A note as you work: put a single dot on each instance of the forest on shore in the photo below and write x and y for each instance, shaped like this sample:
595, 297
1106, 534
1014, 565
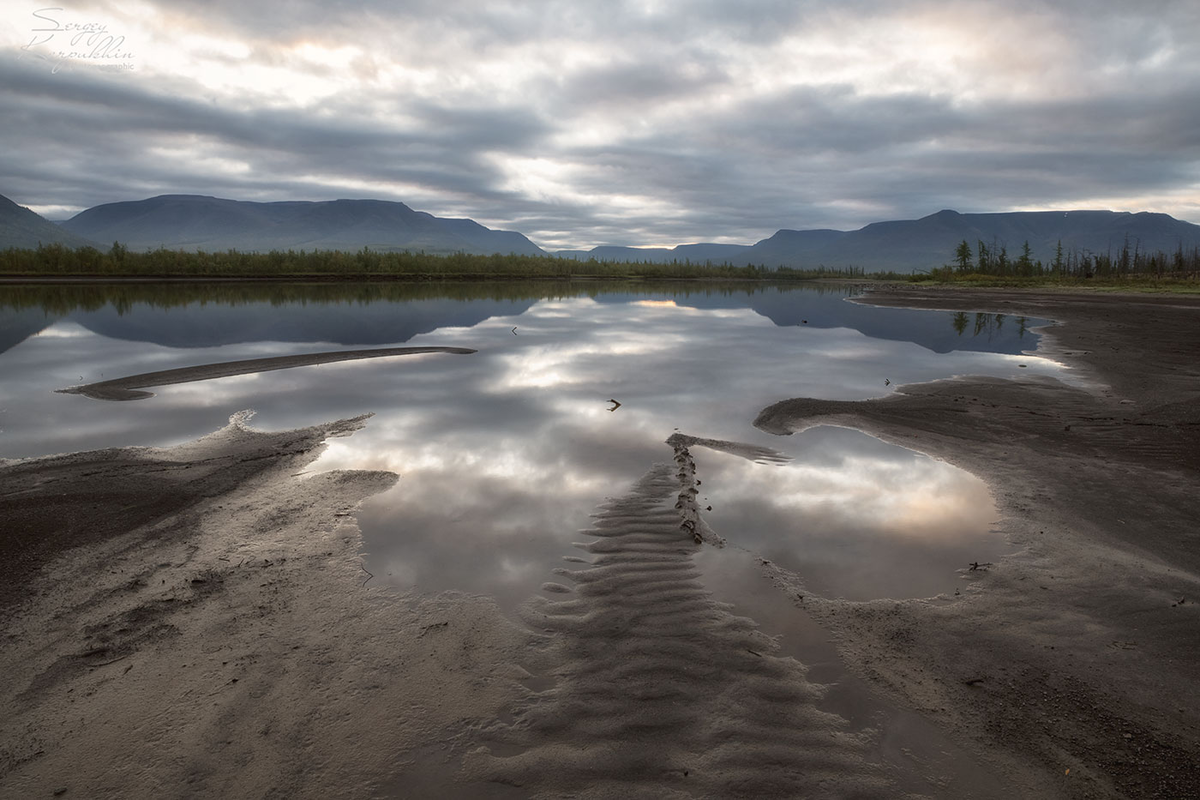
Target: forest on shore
119, 261
983, 264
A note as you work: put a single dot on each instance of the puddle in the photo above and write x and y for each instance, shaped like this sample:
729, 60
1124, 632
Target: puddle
853, 516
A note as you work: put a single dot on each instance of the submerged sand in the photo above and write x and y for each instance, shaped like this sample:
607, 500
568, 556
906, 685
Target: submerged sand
195, 621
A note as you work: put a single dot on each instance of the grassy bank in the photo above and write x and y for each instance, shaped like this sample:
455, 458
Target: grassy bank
1183, 284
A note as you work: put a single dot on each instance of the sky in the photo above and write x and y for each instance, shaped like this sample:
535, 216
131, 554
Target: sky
588, 123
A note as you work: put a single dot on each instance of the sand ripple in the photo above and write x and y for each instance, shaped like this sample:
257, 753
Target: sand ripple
659, 690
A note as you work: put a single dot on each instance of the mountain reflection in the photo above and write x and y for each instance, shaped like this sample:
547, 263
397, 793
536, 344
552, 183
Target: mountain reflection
210, 315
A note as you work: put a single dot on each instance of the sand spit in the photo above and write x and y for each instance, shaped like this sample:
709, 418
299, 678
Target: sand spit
1071, 664
751, 452
658, 690
215, 639
127, 388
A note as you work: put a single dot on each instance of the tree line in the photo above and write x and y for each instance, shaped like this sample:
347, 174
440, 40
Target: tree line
1130, 261
119, 261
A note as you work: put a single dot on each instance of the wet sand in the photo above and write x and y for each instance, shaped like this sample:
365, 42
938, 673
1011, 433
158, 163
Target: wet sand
1071, 665
195, 621
214, 637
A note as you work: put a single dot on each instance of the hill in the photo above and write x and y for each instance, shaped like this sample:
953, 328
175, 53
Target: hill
20, 227
193, 222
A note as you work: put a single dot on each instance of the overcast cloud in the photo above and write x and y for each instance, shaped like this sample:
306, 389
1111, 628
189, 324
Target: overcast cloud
653, 123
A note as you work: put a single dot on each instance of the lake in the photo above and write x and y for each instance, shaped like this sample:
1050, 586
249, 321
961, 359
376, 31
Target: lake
505, 452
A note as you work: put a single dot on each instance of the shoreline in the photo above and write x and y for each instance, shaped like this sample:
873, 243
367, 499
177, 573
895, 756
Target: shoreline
1070, 663
216, 639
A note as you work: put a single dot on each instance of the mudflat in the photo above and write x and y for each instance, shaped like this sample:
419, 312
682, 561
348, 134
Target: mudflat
1070, 663
194, 621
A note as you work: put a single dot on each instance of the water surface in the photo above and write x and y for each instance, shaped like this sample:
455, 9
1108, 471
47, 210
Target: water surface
503, 454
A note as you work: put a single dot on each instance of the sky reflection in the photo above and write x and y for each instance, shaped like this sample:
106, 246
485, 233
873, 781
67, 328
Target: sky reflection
503, 454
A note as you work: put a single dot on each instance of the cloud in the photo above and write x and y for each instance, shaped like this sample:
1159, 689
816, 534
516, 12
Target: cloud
635, 122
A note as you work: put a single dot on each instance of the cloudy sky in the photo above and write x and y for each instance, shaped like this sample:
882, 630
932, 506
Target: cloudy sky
609, 122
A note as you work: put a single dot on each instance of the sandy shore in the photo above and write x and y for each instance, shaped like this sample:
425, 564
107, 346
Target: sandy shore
193, 622
1071, 664
196, 626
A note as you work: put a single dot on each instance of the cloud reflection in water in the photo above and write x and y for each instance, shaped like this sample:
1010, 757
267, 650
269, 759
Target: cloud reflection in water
504, 454
857, 517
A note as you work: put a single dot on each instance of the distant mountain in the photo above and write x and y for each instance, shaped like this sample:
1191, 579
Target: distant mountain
914, 245
20, 227
193, 222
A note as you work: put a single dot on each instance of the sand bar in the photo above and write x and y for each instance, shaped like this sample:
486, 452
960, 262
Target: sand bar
127, 388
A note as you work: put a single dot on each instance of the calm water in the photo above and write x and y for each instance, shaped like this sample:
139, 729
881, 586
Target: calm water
504, 454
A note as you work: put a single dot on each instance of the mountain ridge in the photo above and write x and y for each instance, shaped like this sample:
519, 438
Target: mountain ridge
930, 241
201, 222
24, 228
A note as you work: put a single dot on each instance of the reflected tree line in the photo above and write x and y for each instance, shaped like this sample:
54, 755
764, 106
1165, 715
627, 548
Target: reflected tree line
986, 324
63, 298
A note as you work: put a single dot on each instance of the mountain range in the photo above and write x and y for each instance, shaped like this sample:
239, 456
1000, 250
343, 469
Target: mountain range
917, 245
193, 222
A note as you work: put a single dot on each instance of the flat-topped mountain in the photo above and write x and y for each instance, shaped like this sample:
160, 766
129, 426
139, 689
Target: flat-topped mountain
193, 222
921, 244
20, 227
